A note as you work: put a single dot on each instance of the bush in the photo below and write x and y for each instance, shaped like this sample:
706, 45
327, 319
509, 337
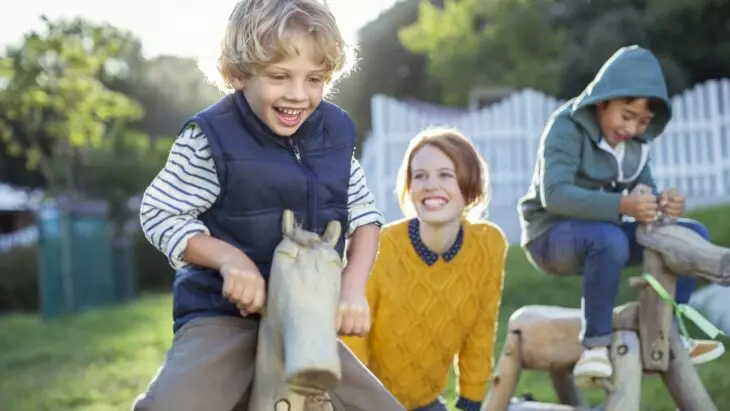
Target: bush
154, 273
19, 279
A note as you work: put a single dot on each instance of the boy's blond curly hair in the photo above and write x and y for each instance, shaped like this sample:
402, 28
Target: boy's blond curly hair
259, 33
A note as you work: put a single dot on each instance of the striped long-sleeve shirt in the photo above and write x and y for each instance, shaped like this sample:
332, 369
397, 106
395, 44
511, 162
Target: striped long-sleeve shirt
188, 185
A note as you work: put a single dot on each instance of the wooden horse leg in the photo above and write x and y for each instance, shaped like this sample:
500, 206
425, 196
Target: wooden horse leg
655, 316
682, 380
507, 374
566, 390
627, 372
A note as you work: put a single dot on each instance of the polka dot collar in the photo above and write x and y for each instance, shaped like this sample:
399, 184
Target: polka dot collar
427, 255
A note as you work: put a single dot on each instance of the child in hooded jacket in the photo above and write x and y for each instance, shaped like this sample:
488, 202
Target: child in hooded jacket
593, 153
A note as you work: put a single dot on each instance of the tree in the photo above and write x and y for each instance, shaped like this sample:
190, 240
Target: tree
171, 89
693, 33
54, 106
557, 46
629, 21
384, 66
120, 168
487, 43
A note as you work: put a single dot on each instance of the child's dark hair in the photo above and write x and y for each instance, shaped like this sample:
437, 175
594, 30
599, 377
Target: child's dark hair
653, 104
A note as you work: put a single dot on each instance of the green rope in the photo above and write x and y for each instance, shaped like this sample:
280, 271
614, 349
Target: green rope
683, 310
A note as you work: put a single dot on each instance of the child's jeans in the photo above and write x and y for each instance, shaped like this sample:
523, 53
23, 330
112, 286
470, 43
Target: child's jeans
600, 251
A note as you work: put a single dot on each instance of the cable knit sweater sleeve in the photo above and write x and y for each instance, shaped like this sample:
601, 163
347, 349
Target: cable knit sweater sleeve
476, 354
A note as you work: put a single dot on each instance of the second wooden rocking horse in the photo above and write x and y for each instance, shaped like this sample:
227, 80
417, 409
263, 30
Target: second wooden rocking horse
546, 338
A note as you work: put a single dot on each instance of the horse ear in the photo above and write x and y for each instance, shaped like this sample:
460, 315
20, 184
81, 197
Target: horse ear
332, 233
287, 222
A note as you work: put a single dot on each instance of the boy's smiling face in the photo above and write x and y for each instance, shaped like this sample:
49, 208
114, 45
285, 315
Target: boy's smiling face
623, 119
285, 93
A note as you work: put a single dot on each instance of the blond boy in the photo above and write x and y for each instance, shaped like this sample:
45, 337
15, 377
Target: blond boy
215, 209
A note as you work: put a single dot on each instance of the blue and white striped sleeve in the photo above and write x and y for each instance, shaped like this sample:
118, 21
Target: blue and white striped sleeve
186, 187
360, 201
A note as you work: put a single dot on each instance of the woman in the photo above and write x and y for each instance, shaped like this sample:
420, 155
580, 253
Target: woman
436, 286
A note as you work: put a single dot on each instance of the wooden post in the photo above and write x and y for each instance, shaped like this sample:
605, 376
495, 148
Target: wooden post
627, 372
682, 380
507, 374
566, 390
655, 315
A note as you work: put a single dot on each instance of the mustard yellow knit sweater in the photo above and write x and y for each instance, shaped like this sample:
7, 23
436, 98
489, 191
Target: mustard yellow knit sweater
427, 315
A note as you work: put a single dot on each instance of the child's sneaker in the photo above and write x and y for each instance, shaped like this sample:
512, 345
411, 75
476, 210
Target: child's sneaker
702, 351
594, 363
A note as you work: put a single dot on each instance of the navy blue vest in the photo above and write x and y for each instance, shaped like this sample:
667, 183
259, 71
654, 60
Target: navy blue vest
260, 175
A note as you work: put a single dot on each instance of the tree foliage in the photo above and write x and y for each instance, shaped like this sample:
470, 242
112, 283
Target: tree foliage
83, 113
557, 46
487, 43
54, 106
120, 167
384, 66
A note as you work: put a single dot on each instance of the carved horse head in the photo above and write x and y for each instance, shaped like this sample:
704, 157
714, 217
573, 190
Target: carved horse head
303, 293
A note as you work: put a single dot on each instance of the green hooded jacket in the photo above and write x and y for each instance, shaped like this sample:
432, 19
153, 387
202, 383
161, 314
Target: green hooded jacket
574, 176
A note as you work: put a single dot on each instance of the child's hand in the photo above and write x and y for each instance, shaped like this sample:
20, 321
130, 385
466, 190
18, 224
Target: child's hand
643, 207
353, 315
640, 204
243, 287
672, 202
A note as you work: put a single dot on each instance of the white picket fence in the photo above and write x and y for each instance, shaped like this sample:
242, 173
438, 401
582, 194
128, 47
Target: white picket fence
692, 154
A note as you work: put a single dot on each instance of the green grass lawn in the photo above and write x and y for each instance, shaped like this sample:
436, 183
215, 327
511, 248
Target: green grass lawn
100, 360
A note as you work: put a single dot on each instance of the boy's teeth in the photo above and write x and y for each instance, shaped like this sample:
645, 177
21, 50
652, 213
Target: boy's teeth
289, 111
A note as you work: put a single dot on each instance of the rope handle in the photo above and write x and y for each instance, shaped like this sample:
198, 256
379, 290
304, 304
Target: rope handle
683, 310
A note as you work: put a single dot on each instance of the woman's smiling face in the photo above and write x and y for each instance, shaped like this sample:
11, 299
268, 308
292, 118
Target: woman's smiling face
435, 191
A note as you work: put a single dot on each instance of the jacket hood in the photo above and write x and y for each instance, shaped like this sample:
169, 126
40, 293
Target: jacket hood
632, 71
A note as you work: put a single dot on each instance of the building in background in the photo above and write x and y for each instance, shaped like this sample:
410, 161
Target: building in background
17, 216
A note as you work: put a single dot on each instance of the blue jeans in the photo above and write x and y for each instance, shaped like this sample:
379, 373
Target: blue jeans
600, 251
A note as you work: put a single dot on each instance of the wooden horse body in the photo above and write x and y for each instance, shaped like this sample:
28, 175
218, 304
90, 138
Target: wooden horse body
297, 358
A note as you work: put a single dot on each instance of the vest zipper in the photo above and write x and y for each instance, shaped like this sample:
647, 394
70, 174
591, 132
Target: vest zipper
297, 152
311, 187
